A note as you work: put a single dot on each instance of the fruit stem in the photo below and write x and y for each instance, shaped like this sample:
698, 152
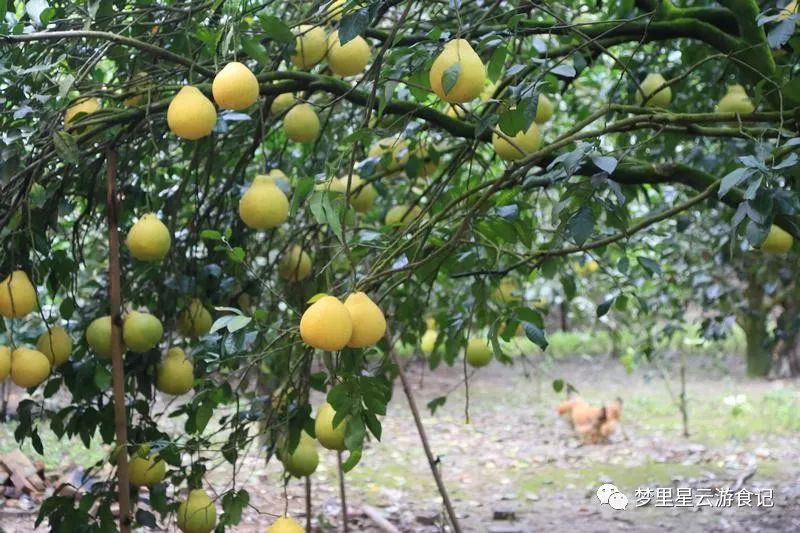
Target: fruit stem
117, 370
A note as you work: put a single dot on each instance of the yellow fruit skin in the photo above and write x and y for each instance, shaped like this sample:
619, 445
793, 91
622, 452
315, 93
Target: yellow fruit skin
29, 368
285, 524
311, 45
527, 141
263, 205
471, 75
650, 83
195, 321
85, 105
190, 114
778, 241
98, 336
175, 374
295, 265
369, 324
281, 103
235, 87
330, 437
735, 101
303, 461
17, 295
362, 194
544, 110
402, 215
326, 324
397, 147
478, 353
506, 292
197, 514
146, 471
149, 239
56, 344
428, 341
350, 59
301, 124
141, 331
5, 362
335, 9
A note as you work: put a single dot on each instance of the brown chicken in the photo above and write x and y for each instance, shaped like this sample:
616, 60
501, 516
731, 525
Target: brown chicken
593, 424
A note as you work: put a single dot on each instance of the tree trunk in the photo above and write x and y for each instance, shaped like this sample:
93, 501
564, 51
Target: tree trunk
754, 323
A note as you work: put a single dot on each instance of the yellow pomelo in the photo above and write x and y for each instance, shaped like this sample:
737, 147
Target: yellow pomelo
327, 435
84, 105
362, 194
311, 45
149, 239
428, 341
303, 461
235, 87
402, 215
301, 124
141, 331
56, 344
5, 362
29, 368
350, 59
735, 101
470, 72
544, 109
478, 352
139, 87
295, 264
281, 103
190, 114
146, 469
195, 321
369, 324
428, 165
335, 9
778, 241
506, 292
430, 323
98, 336
263, 205
326, 324
175, 374
398, 148
649, 85
527, 141
17, 295
286, 524
197, 514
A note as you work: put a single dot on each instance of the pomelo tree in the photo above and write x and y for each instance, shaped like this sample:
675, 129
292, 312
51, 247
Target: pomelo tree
168, 161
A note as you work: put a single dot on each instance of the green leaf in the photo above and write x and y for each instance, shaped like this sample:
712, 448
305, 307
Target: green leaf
102, 377
236, 254
732, 179
649, 265
275, 29
211, 235
558, 385
146, 519
238, 322
512, 122
436, 403
66, 146
255, 49
202, 416
535, 334
580, 224
352, 460
603, 308
450, 77
352, 25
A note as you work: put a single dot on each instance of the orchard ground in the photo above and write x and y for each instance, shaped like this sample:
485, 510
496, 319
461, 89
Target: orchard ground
517, 455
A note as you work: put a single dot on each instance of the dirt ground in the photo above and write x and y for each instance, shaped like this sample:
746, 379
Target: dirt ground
516, 467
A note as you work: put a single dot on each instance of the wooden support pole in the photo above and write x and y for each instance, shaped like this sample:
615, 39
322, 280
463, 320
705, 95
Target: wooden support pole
117, 366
